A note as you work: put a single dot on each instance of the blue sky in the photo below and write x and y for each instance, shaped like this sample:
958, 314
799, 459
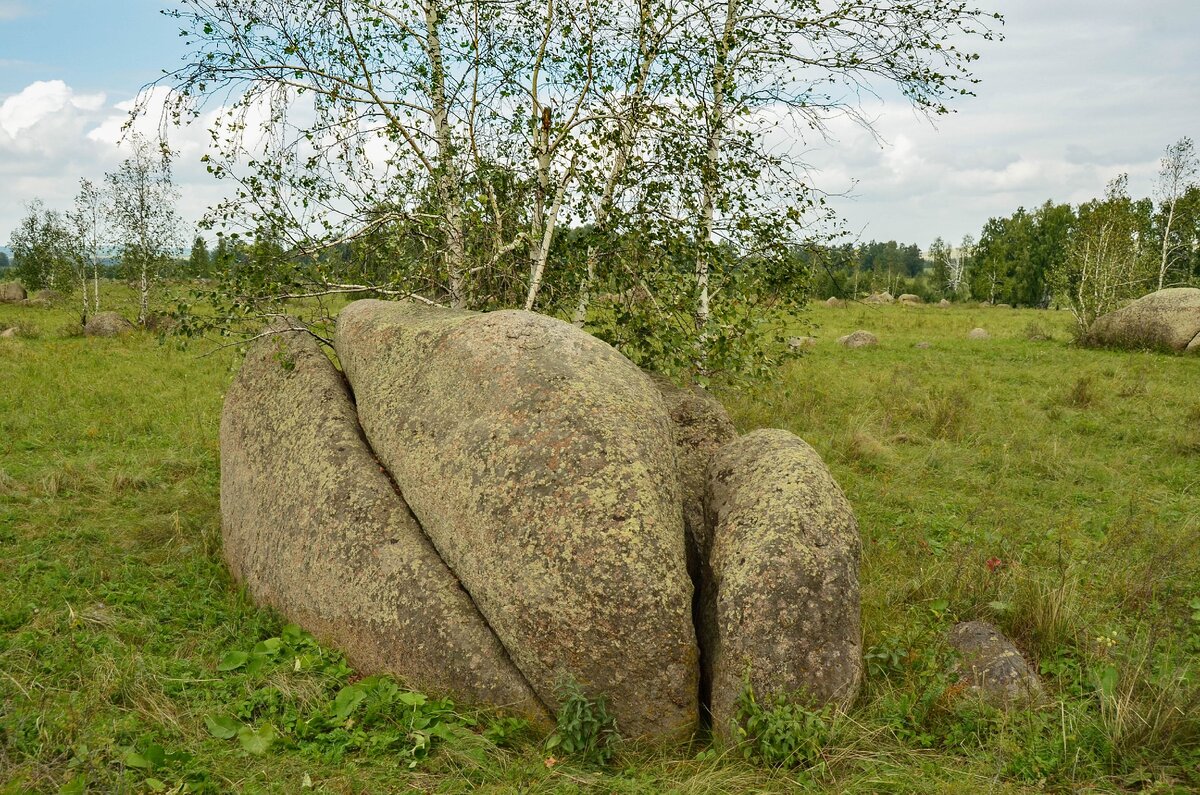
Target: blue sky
114, 46
1080, 91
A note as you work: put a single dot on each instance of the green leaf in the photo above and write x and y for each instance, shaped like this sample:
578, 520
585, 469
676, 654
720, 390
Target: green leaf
155, 785
222, 726
134, 759
412, 699
76, 786
258, 741
348, 698
232, 661
1107, 678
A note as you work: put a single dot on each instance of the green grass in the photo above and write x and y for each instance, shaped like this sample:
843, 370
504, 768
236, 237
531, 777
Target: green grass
1053, 490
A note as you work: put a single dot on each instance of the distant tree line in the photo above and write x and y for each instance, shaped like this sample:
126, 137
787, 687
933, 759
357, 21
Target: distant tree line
1086, 257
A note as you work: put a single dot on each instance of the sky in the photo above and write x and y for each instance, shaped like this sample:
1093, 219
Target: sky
1078, 92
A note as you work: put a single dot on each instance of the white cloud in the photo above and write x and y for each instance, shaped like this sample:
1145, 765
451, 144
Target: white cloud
12, 9
52, 136
40, 101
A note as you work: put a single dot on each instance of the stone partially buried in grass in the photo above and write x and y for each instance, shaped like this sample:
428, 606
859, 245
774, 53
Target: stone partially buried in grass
784, 592
859, 339
314, 528
991, 666
978, 334
541, 463
107, 324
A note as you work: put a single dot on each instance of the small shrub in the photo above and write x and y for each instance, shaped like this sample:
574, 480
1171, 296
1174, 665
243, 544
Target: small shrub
585, 729
1035, 331
781, 732
1082, 393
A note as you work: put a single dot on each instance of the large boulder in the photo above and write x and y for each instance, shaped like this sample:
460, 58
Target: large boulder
541, 464
107, 324
834, 301
909, 298
1167, 319
11, 293
784, 592
991, 666
314, 528
879, 298
978, 334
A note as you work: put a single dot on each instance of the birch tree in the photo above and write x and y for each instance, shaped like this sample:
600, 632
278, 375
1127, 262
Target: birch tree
1102, 265
143, 215
437, 149
1176, 174
87, 220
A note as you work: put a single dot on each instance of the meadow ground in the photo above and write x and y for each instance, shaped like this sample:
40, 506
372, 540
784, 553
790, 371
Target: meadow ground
1053, 490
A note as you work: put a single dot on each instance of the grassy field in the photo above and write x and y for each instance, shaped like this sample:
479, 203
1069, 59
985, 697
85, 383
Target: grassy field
1052, 490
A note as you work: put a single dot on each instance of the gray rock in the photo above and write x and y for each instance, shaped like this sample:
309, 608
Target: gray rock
943, 304
909, 298
879, 298
978, 334
802, 343
541, 464
107, 324
991, 666
9, 332
923, 345
1167, 319
834, 301
11, 293
784, 593
859, 339
314, 528
48, 295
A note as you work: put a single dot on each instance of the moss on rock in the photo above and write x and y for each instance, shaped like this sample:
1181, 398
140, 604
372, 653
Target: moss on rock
784, 592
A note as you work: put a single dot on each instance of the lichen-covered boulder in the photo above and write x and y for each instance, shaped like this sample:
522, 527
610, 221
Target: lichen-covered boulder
784, 592
991, 665
11, 293
107, 324
1167, 319
541, 464
701, 426
314, 528
859, 339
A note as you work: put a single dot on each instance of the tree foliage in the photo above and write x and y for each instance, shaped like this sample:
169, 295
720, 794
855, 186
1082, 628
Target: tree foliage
541, 154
